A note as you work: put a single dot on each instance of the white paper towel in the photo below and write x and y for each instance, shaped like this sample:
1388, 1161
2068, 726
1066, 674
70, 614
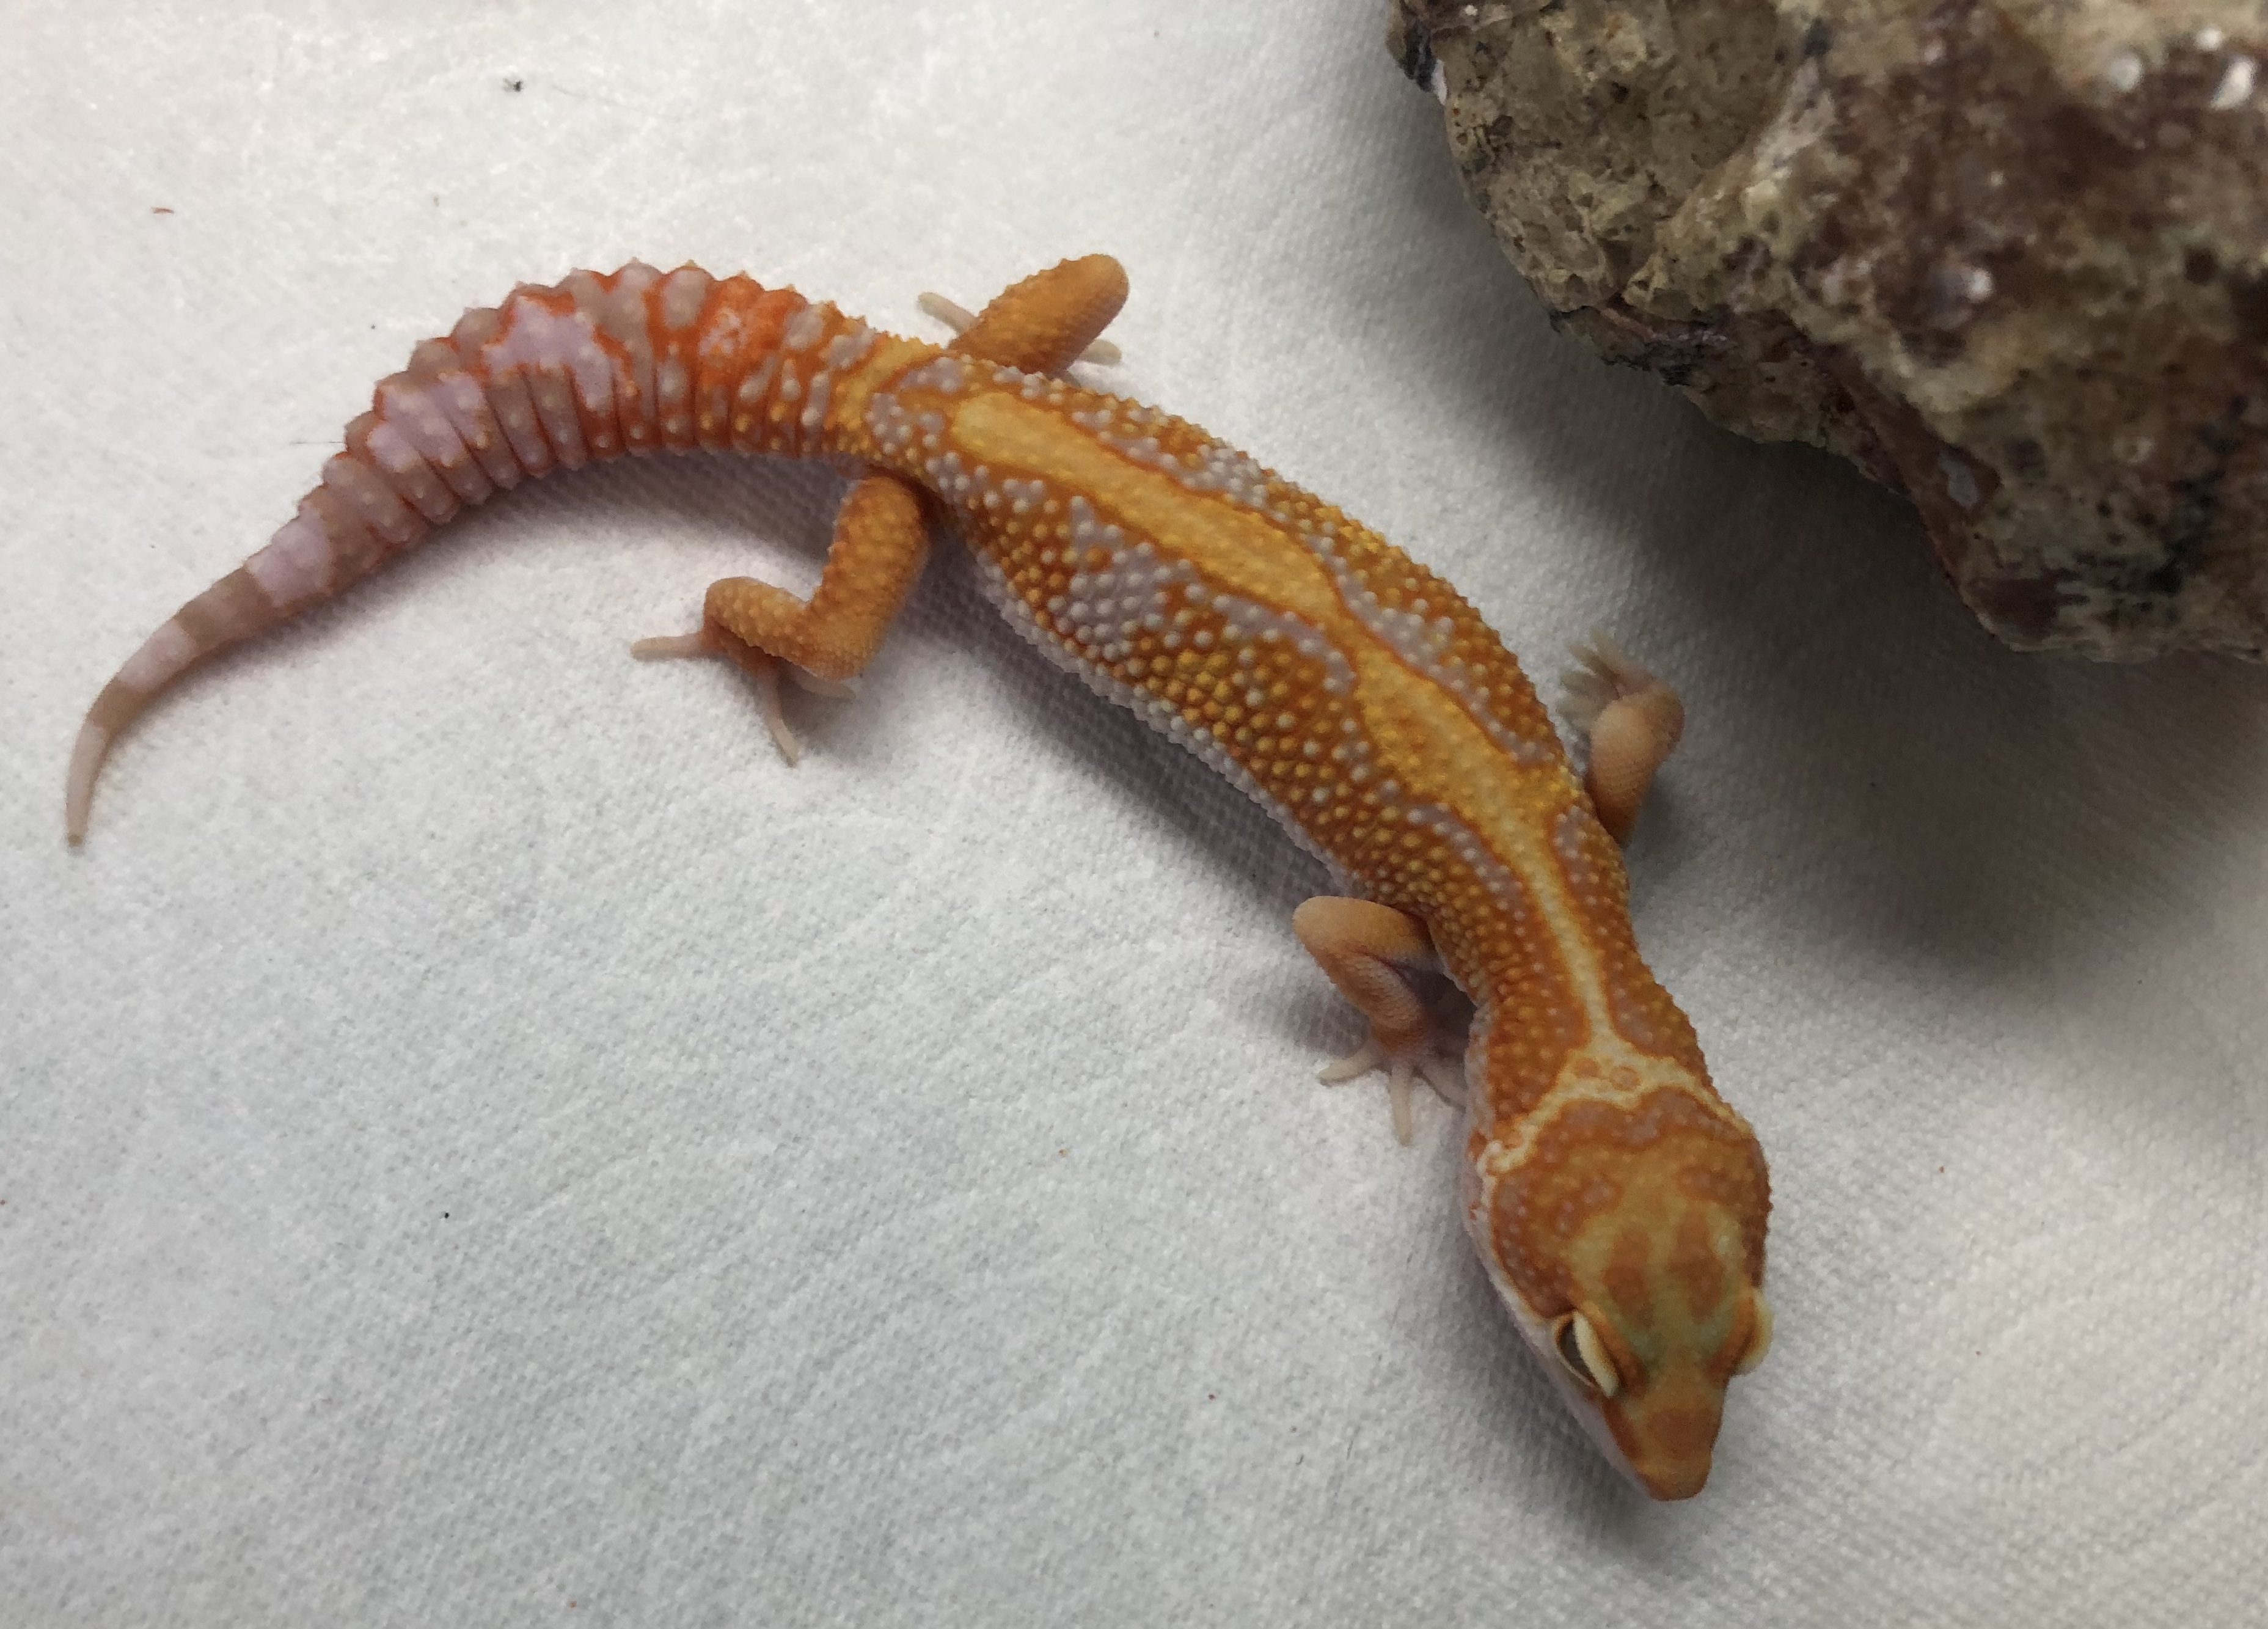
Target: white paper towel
482, 1142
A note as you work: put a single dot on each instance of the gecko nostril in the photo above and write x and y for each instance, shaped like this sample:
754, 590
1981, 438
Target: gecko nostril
1682, 1434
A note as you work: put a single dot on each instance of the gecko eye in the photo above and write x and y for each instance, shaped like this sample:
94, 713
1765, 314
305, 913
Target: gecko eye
1585, 1354
1759, 1343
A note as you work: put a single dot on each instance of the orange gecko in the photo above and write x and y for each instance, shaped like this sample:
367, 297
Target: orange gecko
1618, 1203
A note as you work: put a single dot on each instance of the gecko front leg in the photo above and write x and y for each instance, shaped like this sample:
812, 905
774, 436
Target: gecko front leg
1045, 323
1376, 956
1632, 720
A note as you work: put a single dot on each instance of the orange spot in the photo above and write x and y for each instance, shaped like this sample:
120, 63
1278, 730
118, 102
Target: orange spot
1625, 1278
1694, 1265
1594, 1159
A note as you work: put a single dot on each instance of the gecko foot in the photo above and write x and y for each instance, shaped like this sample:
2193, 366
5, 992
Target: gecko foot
1630, 721
1430, 1059
763, 670
1604, 674
960, 319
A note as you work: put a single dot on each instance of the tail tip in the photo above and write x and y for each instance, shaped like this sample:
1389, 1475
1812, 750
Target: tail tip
87, 754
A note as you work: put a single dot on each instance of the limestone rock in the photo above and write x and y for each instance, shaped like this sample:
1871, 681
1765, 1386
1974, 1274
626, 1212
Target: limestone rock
2010, 256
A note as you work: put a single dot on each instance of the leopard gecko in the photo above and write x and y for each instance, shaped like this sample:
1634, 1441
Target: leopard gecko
1618, 1203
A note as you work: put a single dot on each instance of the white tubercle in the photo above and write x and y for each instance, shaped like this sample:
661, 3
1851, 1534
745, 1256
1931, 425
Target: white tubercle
295, 566
683, 292
538, 337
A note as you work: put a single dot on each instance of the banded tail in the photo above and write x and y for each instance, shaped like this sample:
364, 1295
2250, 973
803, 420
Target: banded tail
634, 361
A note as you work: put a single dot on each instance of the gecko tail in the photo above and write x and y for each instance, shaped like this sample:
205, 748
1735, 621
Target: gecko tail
345, 529
233, 609
634, 361
87, 754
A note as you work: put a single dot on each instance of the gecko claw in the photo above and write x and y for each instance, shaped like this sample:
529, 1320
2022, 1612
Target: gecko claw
1353, 1066
1629, 721
768, 697
1603, 674
664, 646
1404, 1067
762, 668
960, 319
834, 690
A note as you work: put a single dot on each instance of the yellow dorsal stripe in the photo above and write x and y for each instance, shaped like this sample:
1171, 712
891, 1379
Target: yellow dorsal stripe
1426, 738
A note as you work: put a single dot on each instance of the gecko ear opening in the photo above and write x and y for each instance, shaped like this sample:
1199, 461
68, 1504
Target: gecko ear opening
1760, 1342
1585, 1354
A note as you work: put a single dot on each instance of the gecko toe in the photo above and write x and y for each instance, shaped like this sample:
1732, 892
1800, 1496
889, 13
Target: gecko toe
662, 646
1426, 1059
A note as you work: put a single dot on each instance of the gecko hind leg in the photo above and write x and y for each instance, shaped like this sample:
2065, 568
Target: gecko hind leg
1045, 323
881, 538
1381, 960
1633, 721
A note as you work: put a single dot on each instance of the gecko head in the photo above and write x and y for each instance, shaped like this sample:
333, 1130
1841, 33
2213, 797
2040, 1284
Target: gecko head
1632, 1240
1656, 1386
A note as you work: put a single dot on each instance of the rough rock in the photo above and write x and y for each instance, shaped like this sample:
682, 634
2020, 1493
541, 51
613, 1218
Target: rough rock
2009, 256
